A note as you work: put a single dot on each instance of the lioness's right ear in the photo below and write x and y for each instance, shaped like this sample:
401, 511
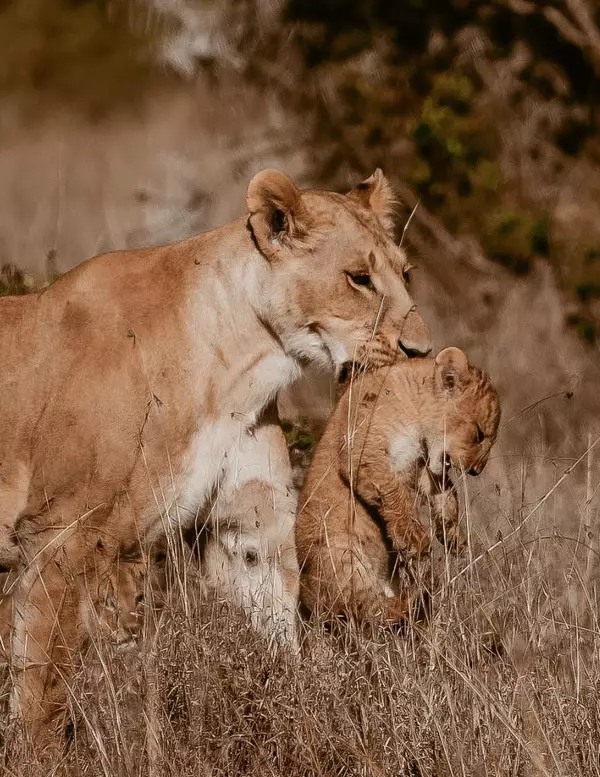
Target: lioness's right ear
451, 367
377, 194
275, 210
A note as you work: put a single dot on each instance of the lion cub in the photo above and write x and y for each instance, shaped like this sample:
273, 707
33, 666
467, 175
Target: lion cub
113, 603
393, 435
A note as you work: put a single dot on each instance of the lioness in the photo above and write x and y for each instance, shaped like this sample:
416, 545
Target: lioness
127, 384
394, 431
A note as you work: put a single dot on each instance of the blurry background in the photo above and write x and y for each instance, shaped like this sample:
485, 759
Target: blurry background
131, 123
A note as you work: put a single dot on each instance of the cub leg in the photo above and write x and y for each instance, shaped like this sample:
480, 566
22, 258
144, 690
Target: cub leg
394, 498
443, 501
366, 466
339, 578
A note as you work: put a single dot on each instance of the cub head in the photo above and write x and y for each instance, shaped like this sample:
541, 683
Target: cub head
250, 560
337, 282
470, 415
113, 604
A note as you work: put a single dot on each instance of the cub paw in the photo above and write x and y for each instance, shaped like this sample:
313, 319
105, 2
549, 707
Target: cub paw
452, 538
416, 542
376, 353
10, 555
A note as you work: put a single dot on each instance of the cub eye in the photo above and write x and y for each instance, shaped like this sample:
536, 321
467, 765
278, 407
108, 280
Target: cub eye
251, 558
358, 279
406, 274
479, 436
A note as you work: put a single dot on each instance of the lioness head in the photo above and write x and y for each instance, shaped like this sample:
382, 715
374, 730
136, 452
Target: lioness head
471, 411
337, 282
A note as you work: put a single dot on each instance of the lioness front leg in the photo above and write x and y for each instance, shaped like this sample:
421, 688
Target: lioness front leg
14, 486
46, 634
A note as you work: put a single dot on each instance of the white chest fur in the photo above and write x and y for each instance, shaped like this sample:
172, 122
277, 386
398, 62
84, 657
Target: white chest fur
404, 451
216, 447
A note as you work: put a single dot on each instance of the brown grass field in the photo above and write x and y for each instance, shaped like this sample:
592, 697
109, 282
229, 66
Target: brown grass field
504, 679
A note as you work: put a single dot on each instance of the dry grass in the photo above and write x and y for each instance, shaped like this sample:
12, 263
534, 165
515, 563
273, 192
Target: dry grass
504, 679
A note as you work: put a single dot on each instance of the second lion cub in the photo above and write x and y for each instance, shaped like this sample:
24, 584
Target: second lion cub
394, 433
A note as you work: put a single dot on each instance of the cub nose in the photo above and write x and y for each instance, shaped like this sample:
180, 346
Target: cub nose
479, 464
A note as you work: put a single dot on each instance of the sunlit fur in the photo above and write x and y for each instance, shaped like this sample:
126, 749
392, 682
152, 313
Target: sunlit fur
388, 439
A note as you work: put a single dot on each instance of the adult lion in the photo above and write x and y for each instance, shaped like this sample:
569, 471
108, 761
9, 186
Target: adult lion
127, 383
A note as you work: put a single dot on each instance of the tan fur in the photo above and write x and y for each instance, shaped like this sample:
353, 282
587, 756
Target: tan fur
127, 383
111, 606
6, 581
389, 437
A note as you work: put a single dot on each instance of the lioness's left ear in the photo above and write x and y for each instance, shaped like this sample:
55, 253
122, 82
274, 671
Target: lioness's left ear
451, 367
377, 194
275, 210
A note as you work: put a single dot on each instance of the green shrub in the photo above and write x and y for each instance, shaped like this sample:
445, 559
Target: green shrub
508, 238
298, 435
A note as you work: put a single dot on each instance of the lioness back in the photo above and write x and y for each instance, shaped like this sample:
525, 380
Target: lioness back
394, 433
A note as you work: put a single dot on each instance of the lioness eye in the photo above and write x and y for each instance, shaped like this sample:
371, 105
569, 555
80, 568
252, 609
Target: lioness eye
406, 274
360, 279
480, 435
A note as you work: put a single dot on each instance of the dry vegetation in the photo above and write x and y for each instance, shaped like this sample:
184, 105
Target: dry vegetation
504, 680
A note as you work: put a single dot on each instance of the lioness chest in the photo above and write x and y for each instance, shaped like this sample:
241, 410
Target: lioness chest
220, 434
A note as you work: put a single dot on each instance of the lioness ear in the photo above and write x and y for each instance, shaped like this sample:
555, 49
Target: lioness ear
451, 367
377, 194
275, 210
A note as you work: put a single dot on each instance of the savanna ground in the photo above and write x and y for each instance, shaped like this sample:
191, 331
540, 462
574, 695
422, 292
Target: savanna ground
504, 678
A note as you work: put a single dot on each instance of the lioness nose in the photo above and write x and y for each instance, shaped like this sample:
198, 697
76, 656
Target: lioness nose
413, 350
414, 337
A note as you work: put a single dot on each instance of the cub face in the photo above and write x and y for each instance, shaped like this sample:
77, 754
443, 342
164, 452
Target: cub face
114, 602
250, 558
338, 282
471, 411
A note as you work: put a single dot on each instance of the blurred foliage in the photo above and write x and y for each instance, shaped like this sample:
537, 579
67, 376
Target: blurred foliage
298, 435
434, 92
14, 281
91, 55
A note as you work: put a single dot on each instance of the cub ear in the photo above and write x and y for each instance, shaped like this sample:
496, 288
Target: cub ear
276, 212
451, 367
376, 193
